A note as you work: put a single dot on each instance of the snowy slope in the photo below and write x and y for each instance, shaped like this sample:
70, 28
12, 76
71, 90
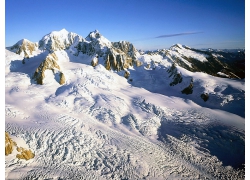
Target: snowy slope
100, 125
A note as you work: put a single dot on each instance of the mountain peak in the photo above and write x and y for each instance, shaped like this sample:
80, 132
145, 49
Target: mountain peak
23, 41
24, 47
59, 40
93, 35
96, 31
63, 30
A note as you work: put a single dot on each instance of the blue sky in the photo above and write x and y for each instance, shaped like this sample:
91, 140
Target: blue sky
148, 24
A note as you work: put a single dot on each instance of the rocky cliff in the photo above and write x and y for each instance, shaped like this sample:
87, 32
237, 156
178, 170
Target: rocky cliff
49, 63
11, 146
24, 48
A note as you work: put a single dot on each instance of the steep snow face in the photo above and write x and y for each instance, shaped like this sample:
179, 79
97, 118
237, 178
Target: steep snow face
59, 40
24, 47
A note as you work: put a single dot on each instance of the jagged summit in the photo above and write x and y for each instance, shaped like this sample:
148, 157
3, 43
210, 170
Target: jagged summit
98, 40
93, 35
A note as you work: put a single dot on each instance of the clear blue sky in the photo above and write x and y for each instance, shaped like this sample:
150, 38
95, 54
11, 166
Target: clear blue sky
195, 23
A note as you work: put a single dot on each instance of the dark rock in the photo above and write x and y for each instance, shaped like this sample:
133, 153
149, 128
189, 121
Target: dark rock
188, 90
205, 96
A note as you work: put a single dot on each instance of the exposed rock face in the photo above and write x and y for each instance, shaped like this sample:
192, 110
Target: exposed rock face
62, 78
86, 48
177, 77
127, 48
138, 63
94, 61
49, 63
117, 55
117, 61
205, 96
24, 47
126, 74
10, 145
24, 153
189, 89
59, 40
100, 44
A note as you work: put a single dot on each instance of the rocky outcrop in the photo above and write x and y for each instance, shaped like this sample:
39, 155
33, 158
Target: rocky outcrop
205, 96
10, 145
86, 48
62, 79
126, 74
116, 55
117, 61
100, 44
148, 66
137, 63
50, 63
24, 47
24, 153
94, 61
127, 48
177, 77
189, 89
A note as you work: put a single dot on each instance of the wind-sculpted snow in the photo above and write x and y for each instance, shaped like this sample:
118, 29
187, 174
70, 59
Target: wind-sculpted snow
101, 125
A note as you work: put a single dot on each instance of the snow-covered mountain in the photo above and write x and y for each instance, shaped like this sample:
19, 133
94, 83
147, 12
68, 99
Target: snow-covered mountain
24, 48
59, 40
89, 108
214, 62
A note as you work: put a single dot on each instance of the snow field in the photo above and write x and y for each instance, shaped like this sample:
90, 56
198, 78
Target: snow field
100, 126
